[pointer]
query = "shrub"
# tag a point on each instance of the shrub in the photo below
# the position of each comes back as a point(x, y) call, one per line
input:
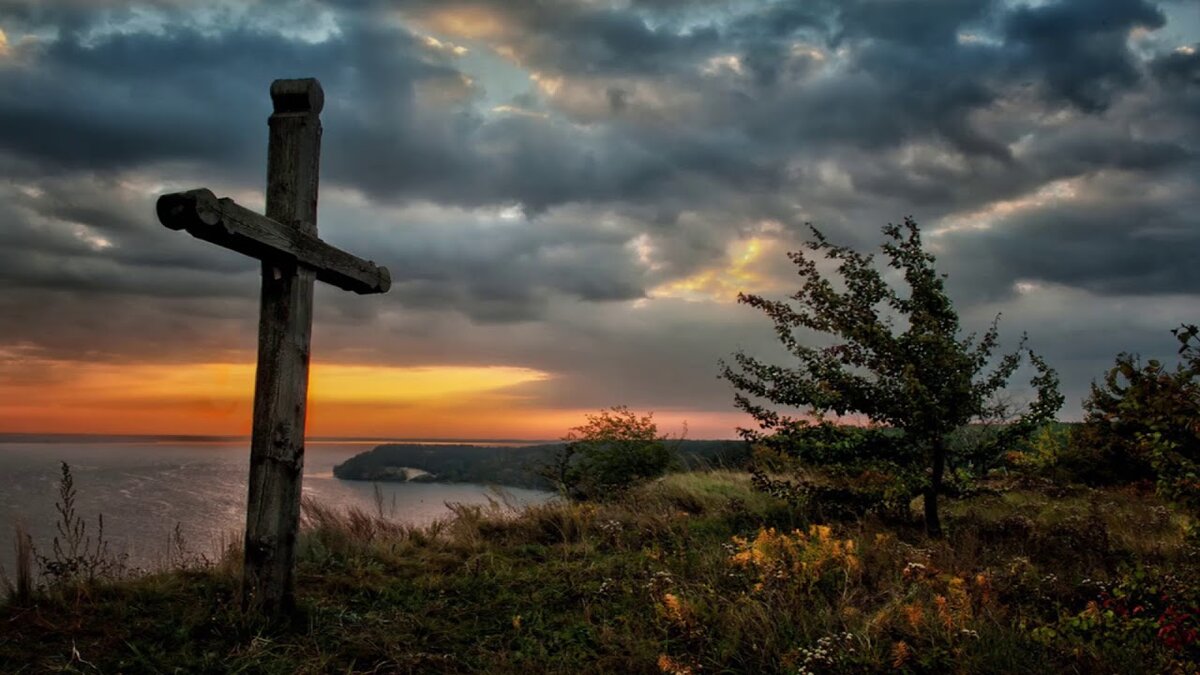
point(1143, 420)
point(615, 450)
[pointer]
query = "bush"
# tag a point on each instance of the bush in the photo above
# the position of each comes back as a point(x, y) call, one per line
point(615, 450)
point(1143, 421)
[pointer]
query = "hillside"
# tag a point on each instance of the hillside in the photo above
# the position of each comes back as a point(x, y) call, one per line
point(501, 465)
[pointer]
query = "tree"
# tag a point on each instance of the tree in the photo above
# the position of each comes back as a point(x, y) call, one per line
point(1148, 416)
point(614, 450)
point(917, 377)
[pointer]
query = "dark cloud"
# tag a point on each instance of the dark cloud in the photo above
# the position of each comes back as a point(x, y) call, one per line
point(1078, 48)
point(920, 23)
point(1109, 248)
point(1179, 68)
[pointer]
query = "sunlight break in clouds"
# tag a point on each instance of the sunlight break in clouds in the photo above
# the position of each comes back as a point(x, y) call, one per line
point(742, 274)
point(1052, 193)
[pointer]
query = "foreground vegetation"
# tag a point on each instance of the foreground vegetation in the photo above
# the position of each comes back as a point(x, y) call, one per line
point(697, 572)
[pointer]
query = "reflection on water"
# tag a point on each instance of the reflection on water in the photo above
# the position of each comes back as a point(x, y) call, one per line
point(145, 489)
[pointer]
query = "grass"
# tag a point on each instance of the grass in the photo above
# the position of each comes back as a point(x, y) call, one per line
point(696, 573)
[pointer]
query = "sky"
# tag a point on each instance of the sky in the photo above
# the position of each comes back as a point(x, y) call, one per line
point(570, 194)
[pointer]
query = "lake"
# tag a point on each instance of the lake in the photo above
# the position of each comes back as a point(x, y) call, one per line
point(145, 488)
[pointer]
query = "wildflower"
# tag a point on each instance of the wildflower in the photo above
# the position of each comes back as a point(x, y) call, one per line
point(914, 569)
point(984, 585)
point(673, 607)
point(516, 622)
point(671, 666)
point(944, 611)
point(914, 615)
point(900, 654)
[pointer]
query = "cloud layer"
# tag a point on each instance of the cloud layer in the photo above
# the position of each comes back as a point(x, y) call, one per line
point(575, 187)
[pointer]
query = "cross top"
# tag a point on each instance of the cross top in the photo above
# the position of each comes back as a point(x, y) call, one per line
point(298, 96)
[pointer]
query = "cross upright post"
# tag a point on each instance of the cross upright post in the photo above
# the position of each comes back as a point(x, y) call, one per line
point(293, 257)
point(284, 333)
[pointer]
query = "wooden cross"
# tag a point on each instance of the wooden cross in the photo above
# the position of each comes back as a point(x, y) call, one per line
point(292, 256)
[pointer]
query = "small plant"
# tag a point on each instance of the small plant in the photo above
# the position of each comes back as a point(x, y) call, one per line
point(75, 556)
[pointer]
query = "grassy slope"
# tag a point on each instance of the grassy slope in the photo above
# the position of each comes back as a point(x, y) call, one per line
point(653, 583)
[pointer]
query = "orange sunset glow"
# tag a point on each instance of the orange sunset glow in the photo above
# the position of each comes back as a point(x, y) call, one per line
point(350, 400)
point(215, 398)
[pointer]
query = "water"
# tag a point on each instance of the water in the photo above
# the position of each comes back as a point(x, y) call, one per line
point(145, 488)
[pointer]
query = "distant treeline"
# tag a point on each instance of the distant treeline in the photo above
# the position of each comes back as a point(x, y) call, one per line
point(512, 466)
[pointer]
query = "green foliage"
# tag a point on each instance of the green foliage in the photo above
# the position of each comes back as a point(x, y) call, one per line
point(862, 470)
point(1144, 420)
point(614, 450)
point(900, 362)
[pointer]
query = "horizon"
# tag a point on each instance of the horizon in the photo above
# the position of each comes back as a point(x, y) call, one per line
point(571, 195)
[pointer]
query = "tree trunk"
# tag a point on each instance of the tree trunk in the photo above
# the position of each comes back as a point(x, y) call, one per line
point(933, 524)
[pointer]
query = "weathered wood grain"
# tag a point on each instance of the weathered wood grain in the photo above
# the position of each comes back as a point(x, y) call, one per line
point(225, 223)
point(284, 332)
point(293, 258)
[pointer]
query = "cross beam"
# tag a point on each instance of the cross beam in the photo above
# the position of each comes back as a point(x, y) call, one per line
point(293, 258)
point(230, 225)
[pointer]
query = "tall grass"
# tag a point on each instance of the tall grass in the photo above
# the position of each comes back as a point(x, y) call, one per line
point(19, 589)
